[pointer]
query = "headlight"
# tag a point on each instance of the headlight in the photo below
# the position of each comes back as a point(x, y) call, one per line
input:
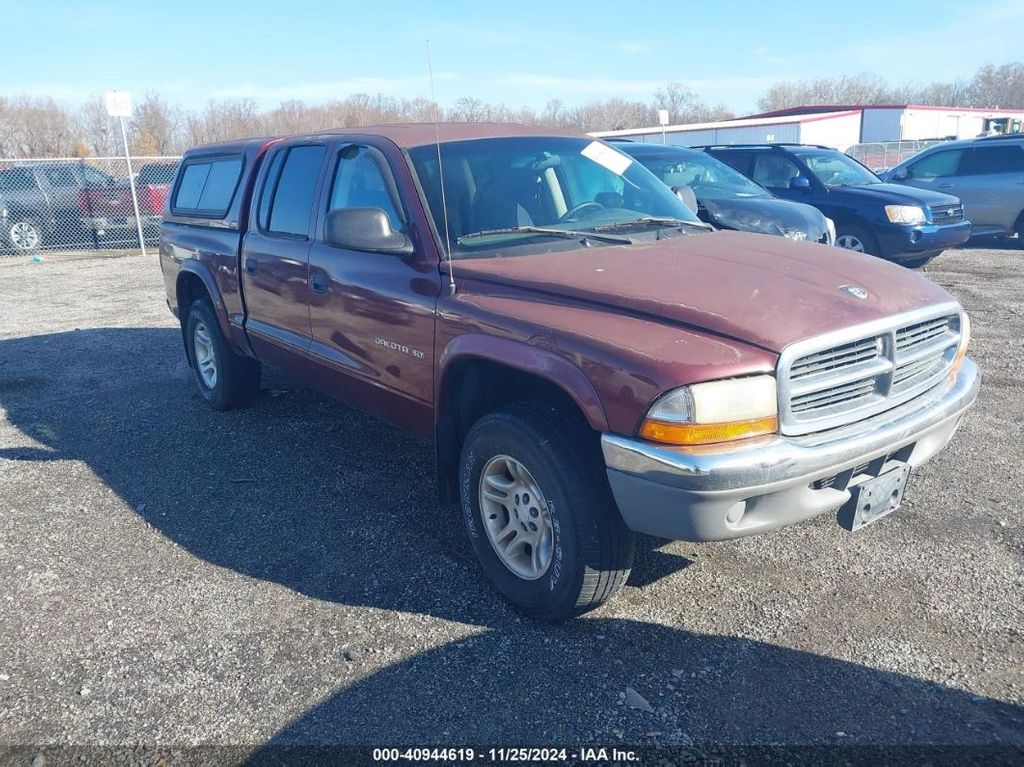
point(716, 411)
point(905, 214)
point(830, 229)
point(965, 339)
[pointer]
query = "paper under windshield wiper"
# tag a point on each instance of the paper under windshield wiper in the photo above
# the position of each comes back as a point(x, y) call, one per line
point(566, 234)
point(653, 220)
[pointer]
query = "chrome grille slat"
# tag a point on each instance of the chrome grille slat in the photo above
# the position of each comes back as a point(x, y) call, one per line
point(947, 214)
point(840, 378)
point(870, 368)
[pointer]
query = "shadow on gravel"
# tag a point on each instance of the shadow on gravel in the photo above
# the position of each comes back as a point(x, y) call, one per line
point(324, 500)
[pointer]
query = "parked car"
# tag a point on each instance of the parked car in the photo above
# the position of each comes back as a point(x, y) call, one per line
point(987, 174)
point(589, 358)
point(908, 226)
point(42, 203)
point(722, 196)
point(109, 211)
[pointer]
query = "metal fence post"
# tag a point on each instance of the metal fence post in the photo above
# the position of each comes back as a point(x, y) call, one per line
point(131, 183)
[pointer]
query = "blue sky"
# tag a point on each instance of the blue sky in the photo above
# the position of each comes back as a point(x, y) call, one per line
point(517, 53)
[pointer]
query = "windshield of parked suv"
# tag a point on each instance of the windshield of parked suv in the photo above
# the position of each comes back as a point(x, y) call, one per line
point(709, 178)
point(837, 169)
point(500, 191)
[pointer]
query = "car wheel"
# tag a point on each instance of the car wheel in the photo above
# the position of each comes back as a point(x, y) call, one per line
point(24, 235)
point(226, 380)
point(856, 238)
point(539, 512)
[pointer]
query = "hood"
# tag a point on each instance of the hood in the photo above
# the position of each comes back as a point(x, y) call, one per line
point(765, 215)
point(766, 291)
point(891, 194)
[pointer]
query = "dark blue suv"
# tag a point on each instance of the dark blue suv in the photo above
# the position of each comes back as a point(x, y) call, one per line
point(902, 224)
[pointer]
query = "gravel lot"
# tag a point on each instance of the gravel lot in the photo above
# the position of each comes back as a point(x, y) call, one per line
point(170, 575)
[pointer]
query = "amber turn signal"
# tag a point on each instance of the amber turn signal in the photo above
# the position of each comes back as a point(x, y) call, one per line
point(707, 433)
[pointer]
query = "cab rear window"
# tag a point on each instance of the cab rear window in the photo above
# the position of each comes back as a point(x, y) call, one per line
point(206, 186)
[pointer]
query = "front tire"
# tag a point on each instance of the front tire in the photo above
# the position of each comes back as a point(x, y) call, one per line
point(226, 380)
point(857, 238)
point(539, 512)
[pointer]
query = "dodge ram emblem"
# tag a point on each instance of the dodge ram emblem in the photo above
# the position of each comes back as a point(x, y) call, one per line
point(853, 290)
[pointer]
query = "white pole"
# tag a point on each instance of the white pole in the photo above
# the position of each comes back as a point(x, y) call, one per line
point(131, 183)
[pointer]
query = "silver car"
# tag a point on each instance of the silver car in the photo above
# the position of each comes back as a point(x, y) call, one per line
point(987, 174)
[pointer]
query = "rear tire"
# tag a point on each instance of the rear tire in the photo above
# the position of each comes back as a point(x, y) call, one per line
point(567, 550)
point(226, 380)
point(25, 235)
point(857, 238)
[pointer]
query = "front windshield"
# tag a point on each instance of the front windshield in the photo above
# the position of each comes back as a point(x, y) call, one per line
point(494, 185)
point(709, 178)
point(837, 169)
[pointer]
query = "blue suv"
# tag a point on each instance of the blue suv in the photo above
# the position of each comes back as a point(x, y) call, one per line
point(907, 225)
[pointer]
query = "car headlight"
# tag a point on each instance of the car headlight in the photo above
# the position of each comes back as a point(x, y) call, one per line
point(715, 411)
point(965, 339)
point(905, 214)
point(830, 229)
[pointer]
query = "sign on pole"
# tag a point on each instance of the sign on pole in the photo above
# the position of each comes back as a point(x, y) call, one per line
point(663, 121)
point(119, 105)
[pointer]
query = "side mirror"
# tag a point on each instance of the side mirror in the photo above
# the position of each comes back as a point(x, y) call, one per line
point(366, 229)
point(799, 182)
point(901, 174)
point(687, 196)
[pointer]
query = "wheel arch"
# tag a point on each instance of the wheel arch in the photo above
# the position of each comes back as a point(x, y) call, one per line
point(478, 373)
point(195, 281)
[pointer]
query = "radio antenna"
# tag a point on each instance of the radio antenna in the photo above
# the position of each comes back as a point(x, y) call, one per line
point(440, 173)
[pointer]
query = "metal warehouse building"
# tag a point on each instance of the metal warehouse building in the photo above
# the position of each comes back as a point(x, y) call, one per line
point(836, 126)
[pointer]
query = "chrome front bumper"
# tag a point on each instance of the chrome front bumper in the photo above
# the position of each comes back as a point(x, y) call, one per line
point(722, 492)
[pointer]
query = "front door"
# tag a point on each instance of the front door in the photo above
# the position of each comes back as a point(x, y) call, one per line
point(372, 314)
point(275, 251)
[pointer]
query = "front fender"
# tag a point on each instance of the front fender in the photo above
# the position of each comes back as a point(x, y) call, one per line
point(540, 362)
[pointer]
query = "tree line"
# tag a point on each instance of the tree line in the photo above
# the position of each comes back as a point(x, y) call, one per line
point(42, 127)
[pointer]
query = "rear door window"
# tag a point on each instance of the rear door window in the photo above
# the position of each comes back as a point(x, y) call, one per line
point(286, 204)
point(988, 160)
point(16, 180)
point(207, 186)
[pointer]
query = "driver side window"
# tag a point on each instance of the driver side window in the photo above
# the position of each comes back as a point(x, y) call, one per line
point(936, 165)
point(359, 183)
point(775, 171)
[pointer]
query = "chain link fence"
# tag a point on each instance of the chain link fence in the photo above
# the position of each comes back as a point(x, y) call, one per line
point(882, 155)
point(71, 204)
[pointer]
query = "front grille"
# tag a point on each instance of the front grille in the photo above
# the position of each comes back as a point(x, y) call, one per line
point(947, 214)
point(841, 378)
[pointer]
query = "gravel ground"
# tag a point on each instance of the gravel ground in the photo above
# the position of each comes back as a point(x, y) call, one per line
point(282, 575)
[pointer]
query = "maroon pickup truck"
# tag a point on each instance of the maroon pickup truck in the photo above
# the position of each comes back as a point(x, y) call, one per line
point(589, 359)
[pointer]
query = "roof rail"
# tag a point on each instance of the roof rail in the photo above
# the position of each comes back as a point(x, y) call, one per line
point(1002, 137)
point(765, 145)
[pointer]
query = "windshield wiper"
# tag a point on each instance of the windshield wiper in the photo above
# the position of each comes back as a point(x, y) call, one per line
point(653, 220)
point(565, 234)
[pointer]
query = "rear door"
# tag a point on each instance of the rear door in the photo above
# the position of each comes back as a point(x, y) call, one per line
point(372, 314)
point(275, 249)
point(991, 185)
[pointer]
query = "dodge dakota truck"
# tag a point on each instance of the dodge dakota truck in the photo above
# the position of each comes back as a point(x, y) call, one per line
point(589, 359)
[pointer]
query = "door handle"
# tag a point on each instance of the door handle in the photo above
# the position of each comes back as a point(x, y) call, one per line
point(944, 186)
point(319, 283)
point(251, 266)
